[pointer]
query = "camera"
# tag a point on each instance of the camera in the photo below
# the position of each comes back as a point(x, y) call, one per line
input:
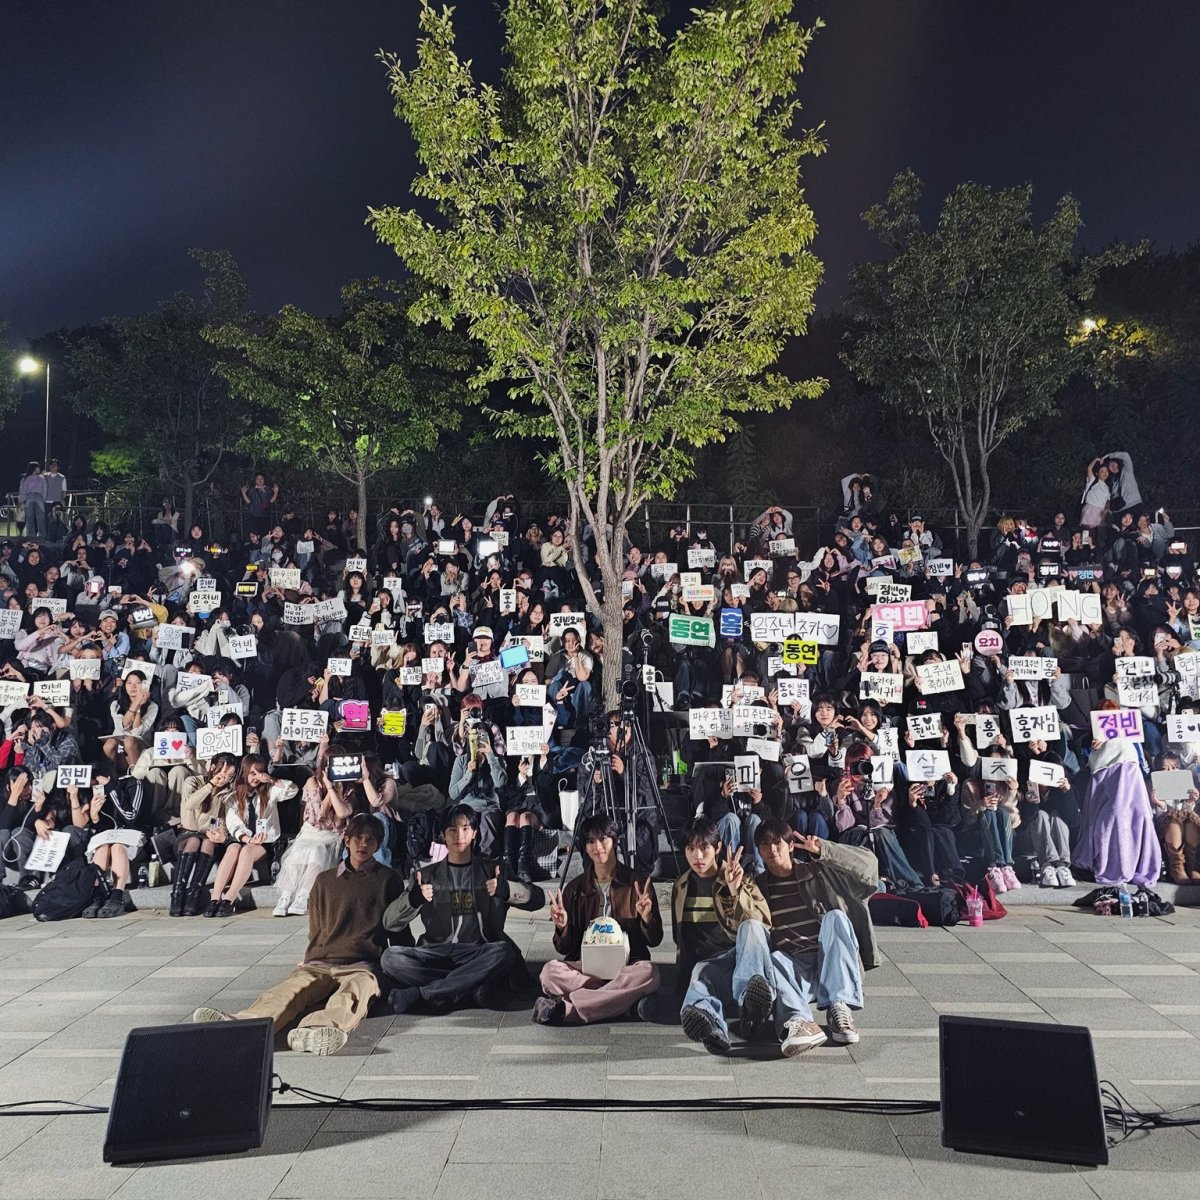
point(861, 769)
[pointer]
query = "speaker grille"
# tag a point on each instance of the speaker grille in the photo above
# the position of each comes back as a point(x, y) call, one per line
point(191, 1090)
point(1021, 1089)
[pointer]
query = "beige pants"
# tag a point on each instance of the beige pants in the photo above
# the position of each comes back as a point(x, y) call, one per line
point(344, 994)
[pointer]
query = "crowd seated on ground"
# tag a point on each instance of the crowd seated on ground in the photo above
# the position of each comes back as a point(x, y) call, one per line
point(1028, 716)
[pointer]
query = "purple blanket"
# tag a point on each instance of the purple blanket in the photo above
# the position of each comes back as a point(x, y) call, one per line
point(1117, 842)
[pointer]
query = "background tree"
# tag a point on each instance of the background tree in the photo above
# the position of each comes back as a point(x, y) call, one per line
point(10, 390)
point(623, 227)
point(356, 393)
point(152, 384)
point(973, 326)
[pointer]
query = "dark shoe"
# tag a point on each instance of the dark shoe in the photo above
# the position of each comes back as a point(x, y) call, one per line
point(701, 1026)
point(757, 1005)
point(179, 881)
point(194, 903)
point(213, 908)
point(525, 863)
point(402, 1000)
point(94, 908)
point(488, 994)
point(30, 882)
point(646, 1009)
point(114, 906)
point(549, 1010)
point(198, 876)
point(511, 838)
point(224, 909)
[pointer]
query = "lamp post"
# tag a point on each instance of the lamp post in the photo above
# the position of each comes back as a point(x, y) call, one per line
point(31, 366)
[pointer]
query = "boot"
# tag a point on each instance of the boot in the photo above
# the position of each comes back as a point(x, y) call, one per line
point(183, 869)
point(196, 897)
point(1176, 864)
point(511, 835)
point(1191, 858)
point(525, 863)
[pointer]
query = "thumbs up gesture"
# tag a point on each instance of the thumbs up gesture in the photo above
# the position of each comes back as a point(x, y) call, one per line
point(493, 883)
point(426, 889)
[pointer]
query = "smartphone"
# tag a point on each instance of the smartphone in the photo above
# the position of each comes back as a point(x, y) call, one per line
point(261, 826)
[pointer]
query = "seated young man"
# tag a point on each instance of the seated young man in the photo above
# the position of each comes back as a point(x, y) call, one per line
point(334, 986)
point(820, 932)
point(464, 956)
point(606, 888)
point(720, 923)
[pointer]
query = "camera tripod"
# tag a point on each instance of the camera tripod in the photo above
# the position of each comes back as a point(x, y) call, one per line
point(624, 805)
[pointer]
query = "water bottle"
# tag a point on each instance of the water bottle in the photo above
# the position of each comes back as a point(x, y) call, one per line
point(143, 876)
point(1125, 902)
point(1143, 904)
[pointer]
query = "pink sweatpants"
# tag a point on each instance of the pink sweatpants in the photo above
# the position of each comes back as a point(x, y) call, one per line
point(590, 999)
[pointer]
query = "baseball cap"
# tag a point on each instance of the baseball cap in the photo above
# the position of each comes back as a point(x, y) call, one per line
point(484, 631)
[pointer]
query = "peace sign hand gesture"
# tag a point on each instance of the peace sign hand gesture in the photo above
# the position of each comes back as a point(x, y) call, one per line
point(558, 914)
point(645, 901)
point(734, 874)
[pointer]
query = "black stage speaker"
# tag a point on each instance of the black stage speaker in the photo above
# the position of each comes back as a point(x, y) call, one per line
point(994, 1098)
point(185, 1091)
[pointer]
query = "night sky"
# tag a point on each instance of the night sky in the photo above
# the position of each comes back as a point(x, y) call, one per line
point(131, 131)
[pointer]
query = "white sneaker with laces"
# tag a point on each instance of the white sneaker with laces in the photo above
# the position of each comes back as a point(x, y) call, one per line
point(209, 1016)
point(281, 905)
point(800, 1036)
point(299, 907)
point(1049, 877)
point(317, 1039)
point(1010, 878)
point(1065, 878)
point(841, 1025)
point(996, 878)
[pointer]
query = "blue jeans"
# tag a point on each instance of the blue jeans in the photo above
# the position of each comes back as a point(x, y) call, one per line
point(720, 983)
point(738, 831)
point(997, 836)
point(833, 975)
point(811, 822)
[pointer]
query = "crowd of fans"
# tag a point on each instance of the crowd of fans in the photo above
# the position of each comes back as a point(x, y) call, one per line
point(232, 700)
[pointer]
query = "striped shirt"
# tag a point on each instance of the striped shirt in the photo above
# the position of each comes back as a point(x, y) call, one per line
point(700, 935)
point(794, 924)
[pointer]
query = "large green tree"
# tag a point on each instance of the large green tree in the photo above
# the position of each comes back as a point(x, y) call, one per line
point(622, 224)
point(973, 327)
point(9, 385)
point(153, 385)
point(355, 394)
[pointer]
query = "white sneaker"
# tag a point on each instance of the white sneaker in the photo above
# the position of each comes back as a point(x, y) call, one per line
point(996, 878)
point(209, 1016)
point(317, 1039)
point(1049, 877)
point(801, 1036)
point(281, 905)
point(1010, 878)
point(299, 907)
point(1065, 878)
point(841, 1025)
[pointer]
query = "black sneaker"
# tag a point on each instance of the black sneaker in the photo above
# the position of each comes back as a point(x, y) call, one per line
point(701, 1026)
point(30, 882)
point(93, 909)
point(402, 1000)
point(488, 995)
point(756, 1008)
point(549, 1010)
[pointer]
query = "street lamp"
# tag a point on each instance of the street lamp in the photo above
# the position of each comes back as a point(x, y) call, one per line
point(31, 366)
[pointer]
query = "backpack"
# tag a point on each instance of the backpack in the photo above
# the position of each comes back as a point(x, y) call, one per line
point(993, 910)
point(939, 904)
point(71, 890)
point(889, 909)
point(13, 901)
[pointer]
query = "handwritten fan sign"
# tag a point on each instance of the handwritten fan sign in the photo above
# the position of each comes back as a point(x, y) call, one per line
point(1079, 606)
point(1134, 666)
point(755, 564)
point(924, 726)
point(224, 740)
point(792, 691)
point(822, 628)
point(663, 570)
point(772, 627)
point(76, 775)
point(767, 749)
point(529, 695)
point(1031, 666)
point(525, 741)
point(172, 637)
point(286, 578)
point(85, 668)
point(410, 676)
point(692, 631)
point(1046, 774)
point(1183, 727)
point(10, 623)
point(329, 610)
point(13, 692)
point(1123, 723)
point(701, 556)
point(751, 720)
point(939, 568)
point(536, 647)
point(358, 563)
point(918, 642)
point(939, 677)
point(747, 772)
point(560, 622)
point(698, 593)
point(360, 634)
point(881, 631)
point(203, 600)
point(439, 631)
point(887, 738)
point(731, 622)
point(55, 692)
point(383, 636)
point(781, 547)
point(486, 674)
point(1030, 724)
point(299, 614)
point(341, 667)
point(926, 766)
point(216, 713)
point(433, 666)
point(904, 616)
point(170, 747)
point(508, 601)
point(51, 604)
point(303, 724)
point(705, 723)
point(243, 645)
point(1136, 693)
point(885, 687)
point(987, 730)
point(997, 770)
point(191, 686)
point(893, 593)
point(48, 852)
point(799, 774)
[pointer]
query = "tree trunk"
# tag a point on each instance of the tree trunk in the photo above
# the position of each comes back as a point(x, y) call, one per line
point(361, 530)
point(189, 504)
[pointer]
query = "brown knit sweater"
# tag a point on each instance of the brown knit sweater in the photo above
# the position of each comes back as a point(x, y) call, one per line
point(345, 913)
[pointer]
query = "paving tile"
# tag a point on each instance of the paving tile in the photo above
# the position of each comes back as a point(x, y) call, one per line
point(398, 1164)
